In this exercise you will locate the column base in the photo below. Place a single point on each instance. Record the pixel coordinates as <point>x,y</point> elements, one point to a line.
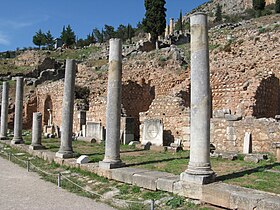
<point>17,141</point>
<point>37,147</point>
<point>111,165</point>
<point>4,138</point>
<point>64,155</point>
<point>198,178</point>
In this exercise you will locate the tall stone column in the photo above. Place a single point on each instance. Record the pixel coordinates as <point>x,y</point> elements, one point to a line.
<point>66,150</point>
<point>171,26</point>
<point>166,33</point>
<point>4,111</point>
<point>18,112</point>
<point>36,132</point>
<point>113,113</point>
<point>199,168</point>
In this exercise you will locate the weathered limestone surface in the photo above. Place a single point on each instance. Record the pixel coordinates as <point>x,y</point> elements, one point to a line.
<point>66,150</point>
<point>4,111</point>
<point>149,179</point>
<point>113,113</point>
<point>17,139</point>
<point>126,174</point>
<point>199,168</point>
<point>37,132</point>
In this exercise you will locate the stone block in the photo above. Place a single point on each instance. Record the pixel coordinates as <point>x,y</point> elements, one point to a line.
<point>125,174</point>
<point>86,139</point>
<point>247,143</point>
<point>83,159</point>
<point>217,194</point>
<point>37,147</point>
<point>95,130</point>
<point>188,189</point>
<point>269,203</point>
<point>255,157</point>
<point>148,180</point>
<point>197,179</point>
<point>166,183</point>
<point>153,132</point>
<point>230,117</point>
<point>133,143</point>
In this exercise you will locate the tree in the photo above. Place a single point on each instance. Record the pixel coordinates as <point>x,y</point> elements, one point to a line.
<point>98,35</point>
<point>179,24</point>
<point>277,6</point>
<point>49,39</point>
<point>109,32</point>
<point>39,39</point>
<point>130,32</point>
<point>68,36</point>
<point>121,32</point>
<point>258,6</point>
<point>154,21</point>
<point>218,14</point>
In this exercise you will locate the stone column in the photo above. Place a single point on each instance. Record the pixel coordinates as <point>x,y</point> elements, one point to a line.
<point>113,113</point>
<point>166,31</point>
<point>37,132</point>
<point>4,111</point>
<point>66,150</point>
<point>171,26</point>
<point>199,168</point>
<point>18,112</point>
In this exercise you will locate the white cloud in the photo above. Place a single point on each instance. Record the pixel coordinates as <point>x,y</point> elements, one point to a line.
<point>20,23</point>
<point>4,40</point>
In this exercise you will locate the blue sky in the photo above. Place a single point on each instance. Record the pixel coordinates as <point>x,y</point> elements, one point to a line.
<point>21,19</point>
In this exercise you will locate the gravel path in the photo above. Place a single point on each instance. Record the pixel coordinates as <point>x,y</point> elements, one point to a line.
<point>22,190</point>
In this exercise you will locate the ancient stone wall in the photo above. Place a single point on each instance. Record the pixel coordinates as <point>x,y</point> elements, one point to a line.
<point>49,96</point>
<point>174,114</point>
<point>229,135</point>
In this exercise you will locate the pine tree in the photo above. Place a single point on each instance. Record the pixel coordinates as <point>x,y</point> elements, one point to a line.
<point>98,35</point>
<point>277,6</point>
<point>179,23</point>
<point>130,32</point>
<point>39,38</point>
<point>49,39</point>
<point>258,4</point>
<point>68,36</point>
<point>218,14</point>
<point>154,21</point>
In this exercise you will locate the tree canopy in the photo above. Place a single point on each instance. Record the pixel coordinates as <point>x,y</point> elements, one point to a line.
<point>154,21</point>
<point>68,36</point>
<point>39,39</point>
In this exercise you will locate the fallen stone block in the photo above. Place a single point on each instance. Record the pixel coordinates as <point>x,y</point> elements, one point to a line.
<point>255,157</point>
<point>83,159</point>
<point>86,139</point>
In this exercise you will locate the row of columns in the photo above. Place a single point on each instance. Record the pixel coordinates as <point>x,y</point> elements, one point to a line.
<point>199,168</point>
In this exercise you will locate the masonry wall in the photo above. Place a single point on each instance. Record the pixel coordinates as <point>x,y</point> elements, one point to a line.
<point>229,135</point>
<point>174,115</point>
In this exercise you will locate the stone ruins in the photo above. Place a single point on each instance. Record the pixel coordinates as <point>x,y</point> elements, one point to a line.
<point>154,98</point>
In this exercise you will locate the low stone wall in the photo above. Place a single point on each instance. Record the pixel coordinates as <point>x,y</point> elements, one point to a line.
<point>229,135</point>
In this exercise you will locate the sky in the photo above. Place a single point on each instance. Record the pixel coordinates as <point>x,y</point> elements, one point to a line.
<point>21,19</point>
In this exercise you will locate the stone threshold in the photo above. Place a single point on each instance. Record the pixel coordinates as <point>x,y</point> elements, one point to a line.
<point>218,193</point>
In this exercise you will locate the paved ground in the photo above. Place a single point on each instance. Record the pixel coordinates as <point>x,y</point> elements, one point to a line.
<point>22,190</point>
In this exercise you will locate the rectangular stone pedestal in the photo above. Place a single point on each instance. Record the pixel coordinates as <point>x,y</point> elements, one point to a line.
<point>37,147</point>
<point>110,165</point>
<point>17,141</point>
<point>198,179</point>
<point>64,155</point>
